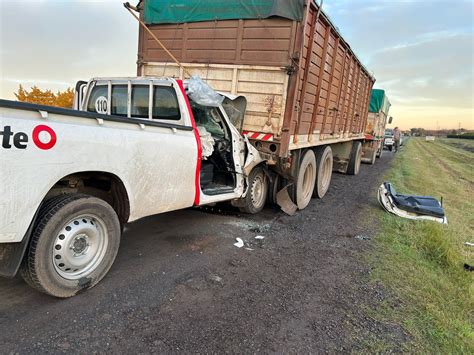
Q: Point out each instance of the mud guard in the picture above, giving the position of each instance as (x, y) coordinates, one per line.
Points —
(283, 200)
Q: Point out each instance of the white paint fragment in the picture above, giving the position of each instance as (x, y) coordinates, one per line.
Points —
(259, 237)
(240, 243)
(250, 249)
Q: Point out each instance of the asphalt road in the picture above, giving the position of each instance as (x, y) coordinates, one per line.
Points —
(180, 285)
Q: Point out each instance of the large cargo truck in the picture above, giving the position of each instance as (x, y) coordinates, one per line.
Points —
(375, 128)
(307, 93)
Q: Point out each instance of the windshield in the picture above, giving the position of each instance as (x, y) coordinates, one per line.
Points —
(388, 133)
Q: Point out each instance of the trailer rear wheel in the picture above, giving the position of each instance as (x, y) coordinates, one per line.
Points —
(306, 179)
(73, 246)
(324, 162)
(380, 150)
(373, 157)
(257, 193)
(355, 159)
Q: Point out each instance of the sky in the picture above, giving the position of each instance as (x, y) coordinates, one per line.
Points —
(420, 51)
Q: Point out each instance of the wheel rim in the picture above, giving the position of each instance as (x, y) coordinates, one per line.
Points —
(257, 192)
(308, 181)
(80, 246)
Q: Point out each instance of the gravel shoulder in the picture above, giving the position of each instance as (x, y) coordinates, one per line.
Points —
(179, 285)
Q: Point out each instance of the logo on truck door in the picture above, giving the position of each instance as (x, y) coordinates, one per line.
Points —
(44, 137)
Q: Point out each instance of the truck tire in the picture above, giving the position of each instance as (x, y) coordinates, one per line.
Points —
(74, 244)
(355, 159)
(324, 163)
(306, 179)
(373, 158)
(256, 197)
(380, 150)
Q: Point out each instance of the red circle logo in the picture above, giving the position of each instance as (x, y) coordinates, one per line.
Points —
(41, 144)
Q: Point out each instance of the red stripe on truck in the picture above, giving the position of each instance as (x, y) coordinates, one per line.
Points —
(197, 184)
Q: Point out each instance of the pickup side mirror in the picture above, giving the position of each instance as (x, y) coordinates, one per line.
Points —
(390, 120)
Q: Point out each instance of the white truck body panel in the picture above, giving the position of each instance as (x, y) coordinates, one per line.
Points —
(137, 156)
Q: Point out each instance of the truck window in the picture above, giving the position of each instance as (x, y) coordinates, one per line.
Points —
(98, 99)
(165, 104)
(140, 101)
(119, 100)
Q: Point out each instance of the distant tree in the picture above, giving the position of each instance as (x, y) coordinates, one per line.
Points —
(46, 97)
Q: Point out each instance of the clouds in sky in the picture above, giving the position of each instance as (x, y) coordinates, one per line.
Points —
(420, 51)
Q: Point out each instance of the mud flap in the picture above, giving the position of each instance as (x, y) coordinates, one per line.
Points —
(283, 200)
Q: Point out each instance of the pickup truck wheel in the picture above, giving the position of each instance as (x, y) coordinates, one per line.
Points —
(324, 162)
(355, 159)
(257, 193)
(306, 180)
(73, 246)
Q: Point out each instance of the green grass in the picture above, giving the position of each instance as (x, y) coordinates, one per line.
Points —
(421, 263)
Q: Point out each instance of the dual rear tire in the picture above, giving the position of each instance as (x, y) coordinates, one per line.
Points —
(314, 176)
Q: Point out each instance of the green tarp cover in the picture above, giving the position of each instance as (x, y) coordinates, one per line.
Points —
(183, 11)
(379, 102)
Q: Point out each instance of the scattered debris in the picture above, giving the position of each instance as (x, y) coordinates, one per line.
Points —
(215, 278)
(468, 267)
(411, 206)
(362, 237)
(250, 249)
(259, 237)
(240, 243)
(468, 244)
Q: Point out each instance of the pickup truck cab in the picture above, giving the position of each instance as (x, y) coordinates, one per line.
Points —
(388, 139)
(130, 148)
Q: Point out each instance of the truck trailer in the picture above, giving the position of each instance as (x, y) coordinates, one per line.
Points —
(306, 93)
(375, 128)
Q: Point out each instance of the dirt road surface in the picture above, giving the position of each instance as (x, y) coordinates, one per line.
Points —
(180, 285)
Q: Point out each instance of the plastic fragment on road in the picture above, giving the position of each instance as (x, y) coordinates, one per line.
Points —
(201, 93)
(249, 249)
(410, 206)
(362, 237)
(259, 237)
(240, 243)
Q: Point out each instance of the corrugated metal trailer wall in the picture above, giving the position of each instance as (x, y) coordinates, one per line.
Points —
(335, 84)
(266, 60)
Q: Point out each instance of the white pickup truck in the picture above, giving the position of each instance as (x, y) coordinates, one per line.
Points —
(132, 147)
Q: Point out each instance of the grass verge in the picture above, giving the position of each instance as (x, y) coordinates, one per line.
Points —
(421, 263)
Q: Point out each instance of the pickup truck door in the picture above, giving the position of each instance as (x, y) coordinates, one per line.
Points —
(161, 160)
